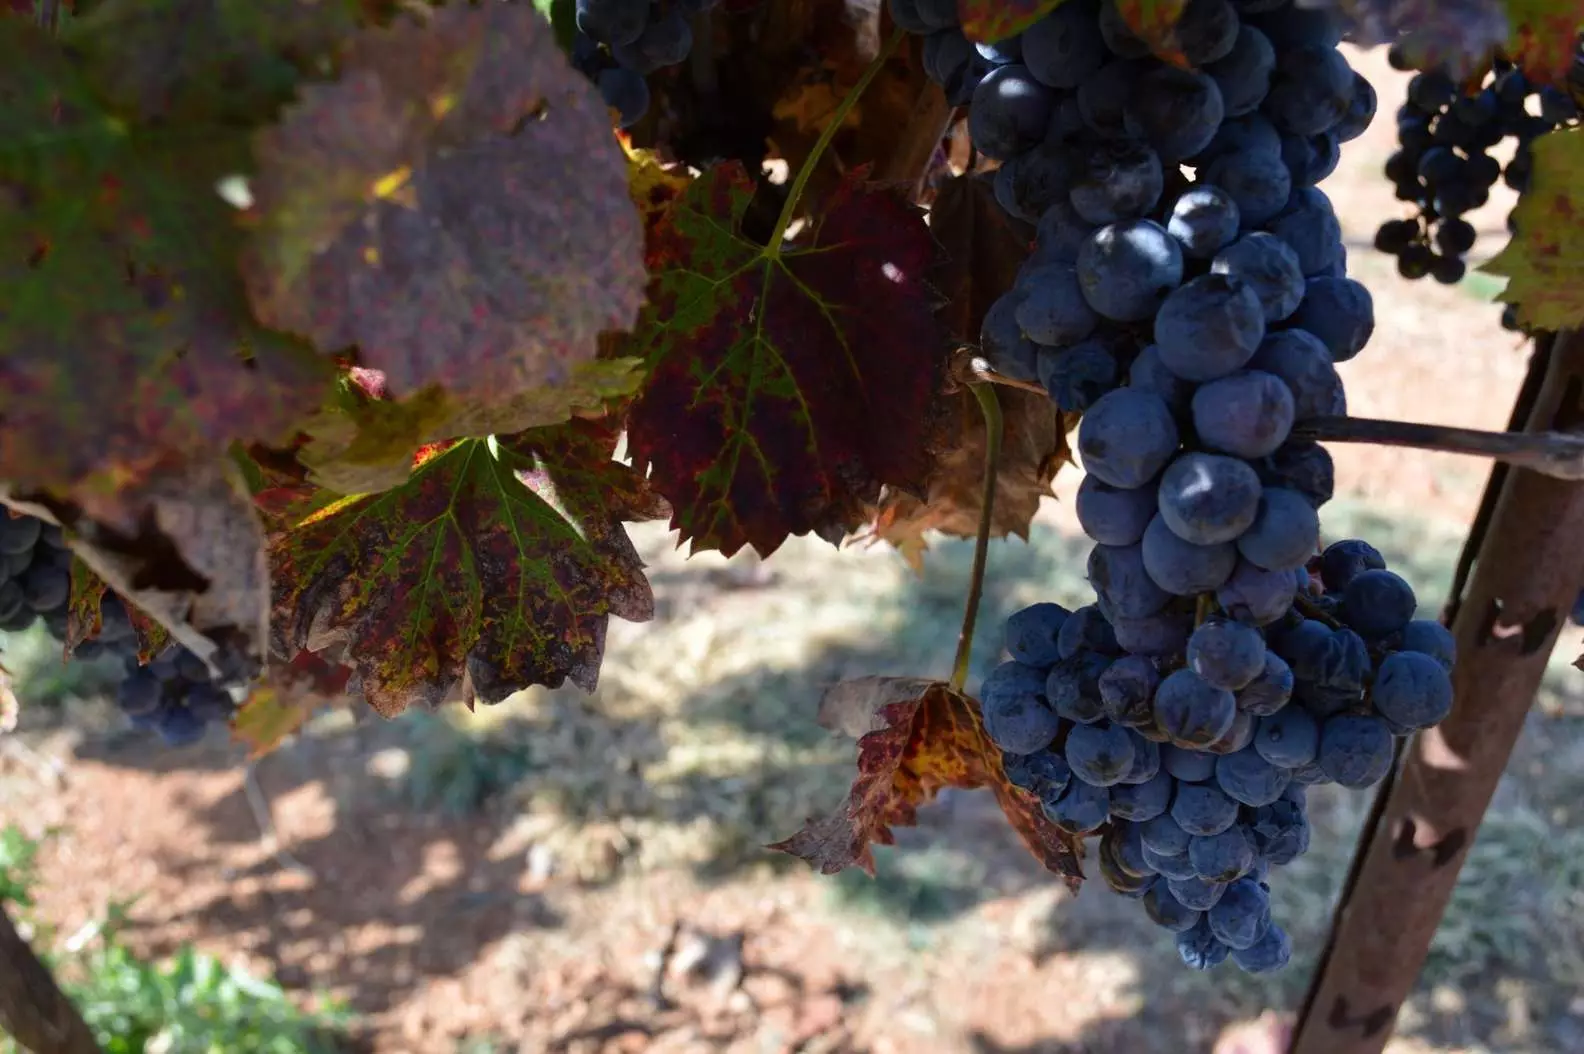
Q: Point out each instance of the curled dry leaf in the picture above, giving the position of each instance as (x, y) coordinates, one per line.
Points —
(918, 736)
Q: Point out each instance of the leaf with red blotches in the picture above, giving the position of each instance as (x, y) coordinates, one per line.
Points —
(1544, 261)
(785, 386)
(454, 205)
(125, 338)
(494, 567)
(1155, 23)
(1543, 37)
(85, 618)
(285, 698)
(981, 250)
(918, 736)
(993, 20)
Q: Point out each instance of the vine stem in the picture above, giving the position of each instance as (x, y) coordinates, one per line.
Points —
(990, 407)
(806, 170)
(1559, 455)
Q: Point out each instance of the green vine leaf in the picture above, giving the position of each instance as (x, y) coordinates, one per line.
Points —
(784, 387)
(494, 567)
(1544, 261)
(1543, 36)
(206, 60)
(125, 339)
(993, 20)
(454, 206)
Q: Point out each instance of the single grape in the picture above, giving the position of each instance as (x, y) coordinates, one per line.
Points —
(1302, 466)
(1086, 630)
(1345, 560)
(1127, 437)
(46, 588)
(1065, 48)
(1146, 759)
(1076, 376)
(1222, 857)
(1248, 414)
(1016, 715)
(1148, 373)
(1052, 309)
(1102, 98)
(1031, 634)
(1175, 111)
(1114, 516)
(1355, 750)
(1226, 654)
(1009, 112)
(1209, 327)
(665, 41)
(1310, 158)
(1200, 949)
(1378, 602)
(1206, 498)
(1309, 227)
(1117, 34)
(1099, 754)
(1432, 638)
(1141, 802)
(1203, 219)
(1166, 910)
(1121, 847)
(1002, 342)
(1073, 687)
(1125, 270)
(1127, 690)
(626, 92)
(1240, 735)
(1060, 235)
(1242, 915)
(1412, 690)
(1123, 585)
(1030, 183)
(1270, 267)
(1284, 533)
(1191, 712)
(1288, 738)
(18, 534)
(613, 21)
(1181, 567)
(1196, 893)
(1270, 953)
(1248, 778)
(1248, 134)
(1044, 773)
(178, 726)
(1187, 765)
(1311, 90)
(1082, 808)
(140, 693)
(1178, 866)
(1257, 180)
(1305, 367)
(1244, 73)
(1255, 595)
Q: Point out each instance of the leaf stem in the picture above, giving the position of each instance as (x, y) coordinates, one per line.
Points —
(990, 406)
(806, 170)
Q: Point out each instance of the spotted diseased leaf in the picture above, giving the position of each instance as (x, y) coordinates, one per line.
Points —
(785, 387)
(1458, 37)
(1544, 261)
(1543, 36)
(993, 20)
(365, 441)
(921, 736)
(125, 339)
(494, 567)
(285, 698)
(1155, 23)
(454, 206)
(206, 60)
(84, 618)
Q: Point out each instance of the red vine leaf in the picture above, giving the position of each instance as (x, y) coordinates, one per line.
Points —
(784, 387)
(84, 619)
(1155, 23)
(921, 736)
(287, 696)
(455, 206)
(981, 250)
(205, 60)
(495, 566)
(992, 20)
(1544, 261)
(1543, 36)
(125, 339)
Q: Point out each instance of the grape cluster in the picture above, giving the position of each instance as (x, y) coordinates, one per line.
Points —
(620, 42)
(174, 694)
(35, 575)
(1161, 196)
(1188, 293)
(1444, 169)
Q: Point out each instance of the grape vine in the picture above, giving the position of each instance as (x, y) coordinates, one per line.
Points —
(321, 327)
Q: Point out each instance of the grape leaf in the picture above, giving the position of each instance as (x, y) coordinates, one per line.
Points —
(1155, 23)
(1543, 36)
(124, 337)
(206, 60)
(83, 618)
(993, 20)
(495, 566)
(1456, 37)
(365, 442)
(784, 386)
(1544, 261)
(981, 249)
(455, 205)
(285, 698)
(922, 736)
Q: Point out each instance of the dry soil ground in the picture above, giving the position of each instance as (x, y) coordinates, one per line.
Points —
(610, 894)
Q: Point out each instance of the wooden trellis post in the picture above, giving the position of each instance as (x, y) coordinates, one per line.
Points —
(1528, 566)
